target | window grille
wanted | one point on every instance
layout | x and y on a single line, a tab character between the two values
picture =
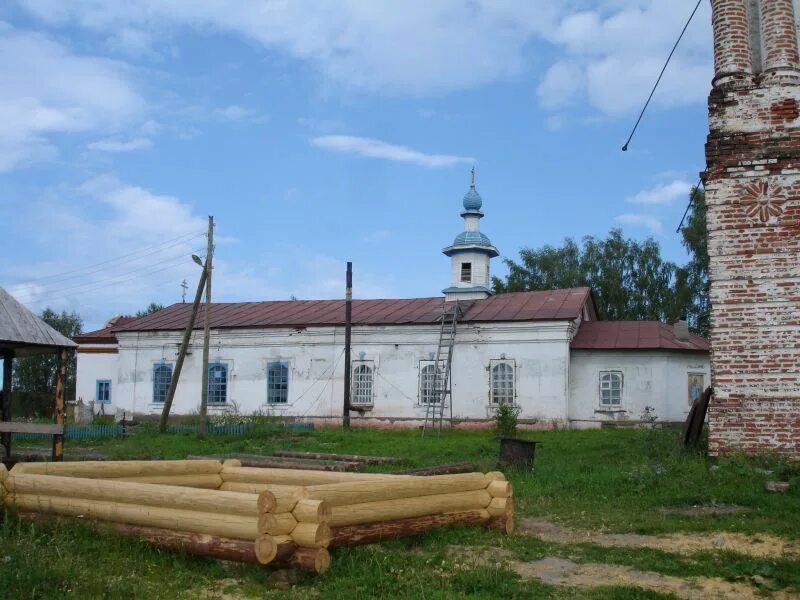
502	383
162	378
362	383
429	391
278	383
610	388
217	384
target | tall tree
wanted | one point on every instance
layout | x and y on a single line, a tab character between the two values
695	240
153	307
629	278
35	376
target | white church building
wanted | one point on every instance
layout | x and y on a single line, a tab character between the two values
544	351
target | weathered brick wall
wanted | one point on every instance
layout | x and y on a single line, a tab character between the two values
753	192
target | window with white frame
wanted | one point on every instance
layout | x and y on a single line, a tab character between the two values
162	378
278	383
217	383
429	383
610	388
362	384
103	391
501	386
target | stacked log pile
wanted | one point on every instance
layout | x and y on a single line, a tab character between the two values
256	515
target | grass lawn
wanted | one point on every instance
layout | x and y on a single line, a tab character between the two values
610	480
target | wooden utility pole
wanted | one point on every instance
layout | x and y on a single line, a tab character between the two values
58	413
5	405
187	336
202	427
348	318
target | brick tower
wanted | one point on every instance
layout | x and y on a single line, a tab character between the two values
752	186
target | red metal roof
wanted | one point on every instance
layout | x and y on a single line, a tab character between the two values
633	335
521	306
104	335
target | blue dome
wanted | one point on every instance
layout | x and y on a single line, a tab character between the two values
472	200
472	237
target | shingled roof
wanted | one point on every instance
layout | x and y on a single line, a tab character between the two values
633	335
548	305
25	333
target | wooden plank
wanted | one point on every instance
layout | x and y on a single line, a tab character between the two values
369	460
58	409
44	428
276	462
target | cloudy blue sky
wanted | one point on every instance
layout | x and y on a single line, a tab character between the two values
323	131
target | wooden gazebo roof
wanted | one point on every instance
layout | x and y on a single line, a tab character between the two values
24	333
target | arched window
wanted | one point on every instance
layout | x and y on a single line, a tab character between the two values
610	388
361	387
278	383
429	384
162	378
502	383
217	383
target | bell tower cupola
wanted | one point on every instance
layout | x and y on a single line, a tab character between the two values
470	253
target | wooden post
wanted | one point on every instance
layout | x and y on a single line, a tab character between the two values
58	413
187	335
348	318
202	427
5	405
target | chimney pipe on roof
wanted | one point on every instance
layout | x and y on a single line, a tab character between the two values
681	329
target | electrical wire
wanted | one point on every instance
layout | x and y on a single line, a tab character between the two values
183	239
658	81
137	273
689	206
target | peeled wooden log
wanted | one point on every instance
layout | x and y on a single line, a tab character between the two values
357	492
208	481
311	535
504	523
192	543
500	489
3	473
452	469
212	523
353	535
499	507
368	460
286	496
230	462
406	508
312	511
144	494
276	523
122	468
495	476
294	477
266	549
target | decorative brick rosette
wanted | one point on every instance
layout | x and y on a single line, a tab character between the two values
762	202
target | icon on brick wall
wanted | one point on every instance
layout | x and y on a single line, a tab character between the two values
758	202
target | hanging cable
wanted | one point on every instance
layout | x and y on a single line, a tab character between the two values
691	202
658	81
183	239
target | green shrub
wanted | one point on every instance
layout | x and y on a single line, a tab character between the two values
505	420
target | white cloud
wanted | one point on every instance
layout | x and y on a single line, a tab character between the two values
46	90
378	235
664	194
417	47
234	113
643	221
118	145
371	148
611	56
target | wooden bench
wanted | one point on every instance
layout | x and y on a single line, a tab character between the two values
9	427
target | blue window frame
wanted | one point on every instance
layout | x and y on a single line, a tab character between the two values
217	383
278	383
162	378
103	391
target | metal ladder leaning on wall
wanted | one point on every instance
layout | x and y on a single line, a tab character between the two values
442	396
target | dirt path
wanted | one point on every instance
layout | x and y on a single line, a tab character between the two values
562	572
762	546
